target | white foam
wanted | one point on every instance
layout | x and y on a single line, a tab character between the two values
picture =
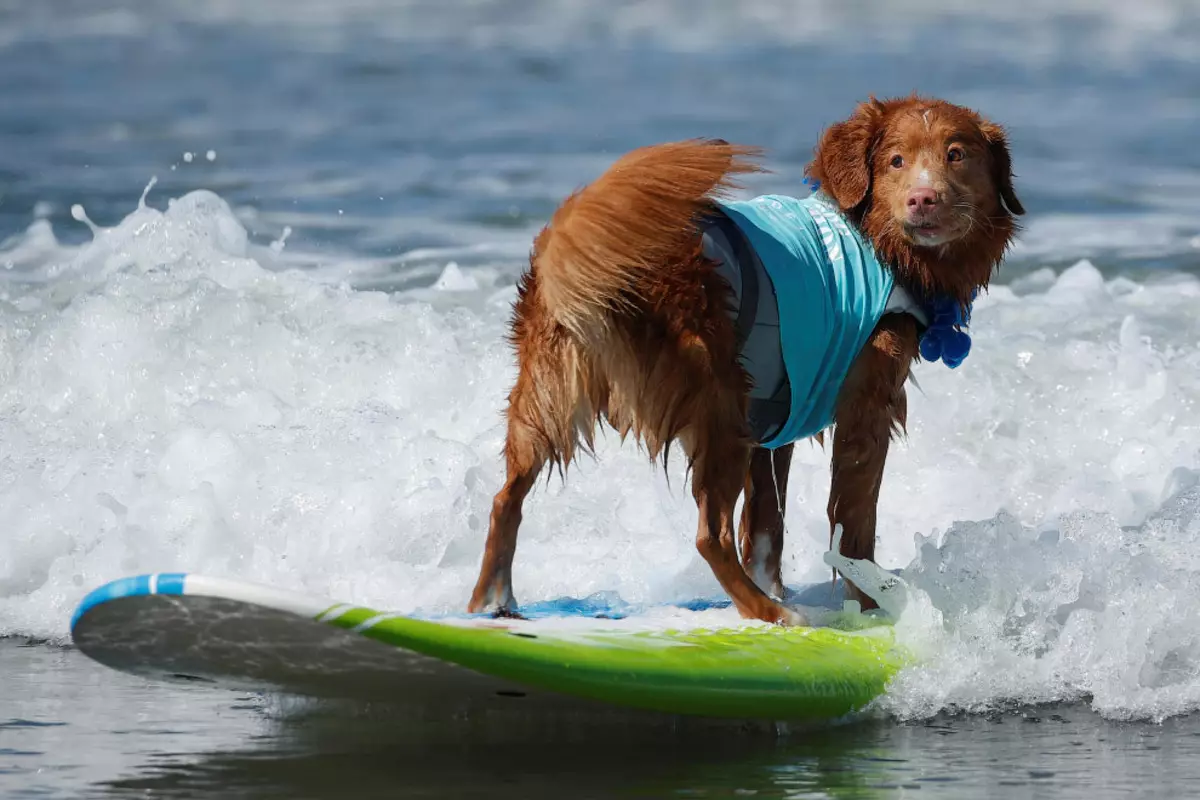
168	402
1082	610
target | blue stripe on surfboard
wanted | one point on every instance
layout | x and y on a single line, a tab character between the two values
601	605
135	586
609	605
170	583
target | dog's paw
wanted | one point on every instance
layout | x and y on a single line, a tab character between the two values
508	613
790	618
494	598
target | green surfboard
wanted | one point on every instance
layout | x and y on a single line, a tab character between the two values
243	636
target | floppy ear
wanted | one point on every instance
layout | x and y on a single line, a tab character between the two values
842	161
997	142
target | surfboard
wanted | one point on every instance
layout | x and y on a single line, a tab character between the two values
246	637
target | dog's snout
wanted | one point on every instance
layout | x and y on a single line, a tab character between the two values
922	199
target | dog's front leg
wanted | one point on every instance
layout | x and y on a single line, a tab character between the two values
871	407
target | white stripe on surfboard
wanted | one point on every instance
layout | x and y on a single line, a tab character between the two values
279	599
335	612
371	622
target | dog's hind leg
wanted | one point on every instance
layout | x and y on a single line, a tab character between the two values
547	408
716	484
525	453
760	532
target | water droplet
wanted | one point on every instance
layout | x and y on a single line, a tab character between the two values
146	191
79	215
277	245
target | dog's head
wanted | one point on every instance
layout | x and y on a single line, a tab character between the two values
929	183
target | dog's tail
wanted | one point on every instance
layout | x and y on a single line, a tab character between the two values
639	216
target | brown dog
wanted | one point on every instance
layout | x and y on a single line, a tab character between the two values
630	312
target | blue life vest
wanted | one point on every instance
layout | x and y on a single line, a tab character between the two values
829	292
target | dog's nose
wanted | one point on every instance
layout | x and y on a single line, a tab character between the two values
922	199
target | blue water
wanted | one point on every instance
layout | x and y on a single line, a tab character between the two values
372	135
317	407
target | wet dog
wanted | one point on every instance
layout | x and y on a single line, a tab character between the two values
735	328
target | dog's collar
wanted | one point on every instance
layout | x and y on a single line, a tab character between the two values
943	318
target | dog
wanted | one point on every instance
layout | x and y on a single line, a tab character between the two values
735	328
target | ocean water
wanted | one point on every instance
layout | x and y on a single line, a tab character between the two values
256	264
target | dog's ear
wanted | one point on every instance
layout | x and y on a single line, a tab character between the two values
997	143
842	160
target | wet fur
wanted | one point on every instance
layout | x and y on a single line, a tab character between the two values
621	319
630	313
846	161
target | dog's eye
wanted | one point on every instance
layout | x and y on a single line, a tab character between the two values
897	162
955	154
